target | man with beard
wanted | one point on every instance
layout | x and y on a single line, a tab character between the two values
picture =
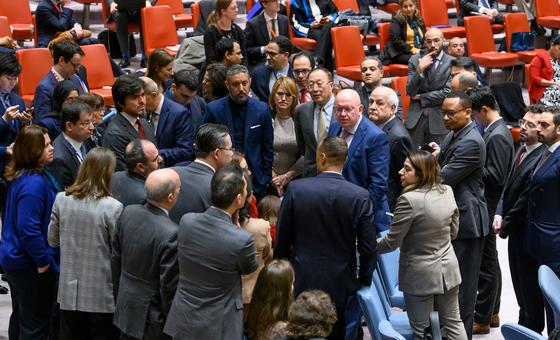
250	125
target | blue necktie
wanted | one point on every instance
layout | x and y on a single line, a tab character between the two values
485	3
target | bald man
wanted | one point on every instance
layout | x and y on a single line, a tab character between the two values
144	261
172	123
464	81
456	47
428	84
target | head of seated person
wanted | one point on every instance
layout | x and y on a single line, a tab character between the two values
312	315
67	58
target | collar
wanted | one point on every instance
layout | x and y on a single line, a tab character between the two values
456	133
355	127
532	147
328	105
164	210
57	75
283	71
439	56
489	125
131	119
160	105
204	163
332	172
75	144
554	146
267	18
382	125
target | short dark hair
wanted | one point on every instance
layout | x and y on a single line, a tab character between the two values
237	69
335	148
465	63
536	108
71	112
9	65
217	77
555	111
482	96
226	184
303	54
66	49
222	46
283	43
209	137
125	86
93	99
324	70
188	78
464	98
379	63
134	154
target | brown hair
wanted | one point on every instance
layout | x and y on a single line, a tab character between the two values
93	100
268	208
272	297
94	176
217	13
286	84
427	170
158	60
311	315
28	149
415	15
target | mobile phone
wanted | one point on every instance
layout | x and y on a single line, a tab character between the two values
427	147
29	110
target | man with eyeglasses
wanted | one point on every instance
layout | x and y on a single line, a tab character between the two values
302	64
67	57
278	65
428	84
462	158
371	70
509	221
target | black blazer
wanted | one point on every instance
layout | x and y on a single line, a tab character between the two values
260	79
65	164
50	21
397	39
256	35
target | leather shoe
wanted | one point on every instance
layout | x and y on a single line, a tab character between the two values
125	62
479	328
495	321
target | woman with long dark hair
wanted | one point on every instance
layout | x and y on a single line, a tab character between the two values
220	24
63	91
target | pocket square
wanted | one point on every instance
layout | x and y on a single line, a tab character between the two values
255	126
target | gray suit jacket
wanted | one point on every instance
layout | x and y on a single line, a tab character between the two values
213	254
432	93
145	270
462	159
425	222
195	196
128	187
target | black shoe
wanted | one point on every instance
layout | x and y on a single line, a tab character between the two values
535	28
143	63
3	290
125	62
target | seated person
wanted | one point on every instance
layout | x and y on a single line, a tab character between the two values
474	7
407	34
62	92
228	52
7	45
220	25
13	115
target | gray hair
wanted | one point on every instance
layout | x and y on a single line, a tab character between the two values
235	69
392	98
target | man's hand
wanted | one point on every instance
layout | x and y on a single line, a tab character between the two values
436	148
11	113
79	31
497	224
316	24
113	7
26	116
41	270
425	62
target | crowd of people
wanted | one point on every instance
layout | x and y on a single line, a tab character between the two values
250	198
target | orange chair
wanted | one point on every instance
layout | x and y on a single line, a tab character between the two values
399	85
112	25
547	13
481	46
301	43
527	75
434	13
35	64
249	5
394	69
517	22
99	73
496	28
195	10
389	8
159	29
5	28
515	132
371	39
182	19
18	13
348	51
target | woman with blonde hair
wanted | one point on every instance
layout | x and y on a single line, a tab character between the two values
82	223
406	34
220	25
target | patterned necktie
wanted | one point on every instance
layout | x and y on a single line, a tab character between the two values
303	96
345	135
321	126
140	128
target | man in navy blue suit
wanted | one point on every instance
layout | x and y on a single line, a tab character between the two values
172	124
183	91
278	57
323	220
12	107
249	123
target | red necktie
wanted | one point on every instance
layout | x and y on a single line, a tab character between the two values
520	154
303	98
57	7
140	128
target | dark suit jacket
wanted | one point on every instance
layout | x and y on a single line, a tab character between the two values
432	93
260	78
196	109
145	270
174	134
397	39
542	236
195	195
120	132
319	221
9	131
258	140
499	160
256	35
128	187
469	6
399	146
50	21
42	100
462	160
65	164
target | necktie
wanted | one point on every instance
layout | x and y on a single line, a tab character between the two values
543	159
303	96
273	28
321	126
140	128
520	154
5	99
432	70
345	135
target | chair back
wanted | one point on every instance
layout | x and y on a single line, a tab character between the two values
372	307
158	28
347	45
515	22
5	28
550	286
384	32
512	331
545	8
479	35
388	332
175	5
388	264
434	12
399	84
35	64
195	9
96	61
17	11
347	4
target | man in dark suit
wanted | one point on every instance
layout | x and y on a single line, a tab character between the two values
214	150
478	7
141	158
462	158
12	107
278	57
213	254
371	70
509	221
172	125
183	91
499	159
301	64
382	111
428	84
67	57
320	220
129	123
69	147
250	125
144	260
315	120
262	28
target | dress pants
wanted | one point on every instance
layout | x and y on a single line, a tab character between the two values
87	326
323	50
469	255
123	19
420	134
33	302
489	282
419	307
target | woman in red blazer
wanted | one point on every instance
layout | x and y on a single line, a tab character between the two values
545	75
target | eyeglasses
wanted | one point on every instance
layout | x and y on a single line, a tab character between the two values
522	122
302	72
226	149
75	65
282	94
320	85
271	54
451	113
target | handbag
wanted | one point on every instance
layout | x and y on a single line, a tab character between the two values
522	41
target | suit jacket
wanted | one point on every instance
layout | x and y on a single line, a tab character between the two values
462	161
319	221
195	109
128	187
120	132
541	68
367	166
256	35
65	164
260	80
258	139
42	100
400	145
145	269
469	6
432	93
213	254
195	195
9	131
397	41
542	236
174	134
499	160
425	223
364	99
50	21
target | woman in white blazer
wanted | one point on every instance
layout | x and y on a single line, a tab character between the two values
426	220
